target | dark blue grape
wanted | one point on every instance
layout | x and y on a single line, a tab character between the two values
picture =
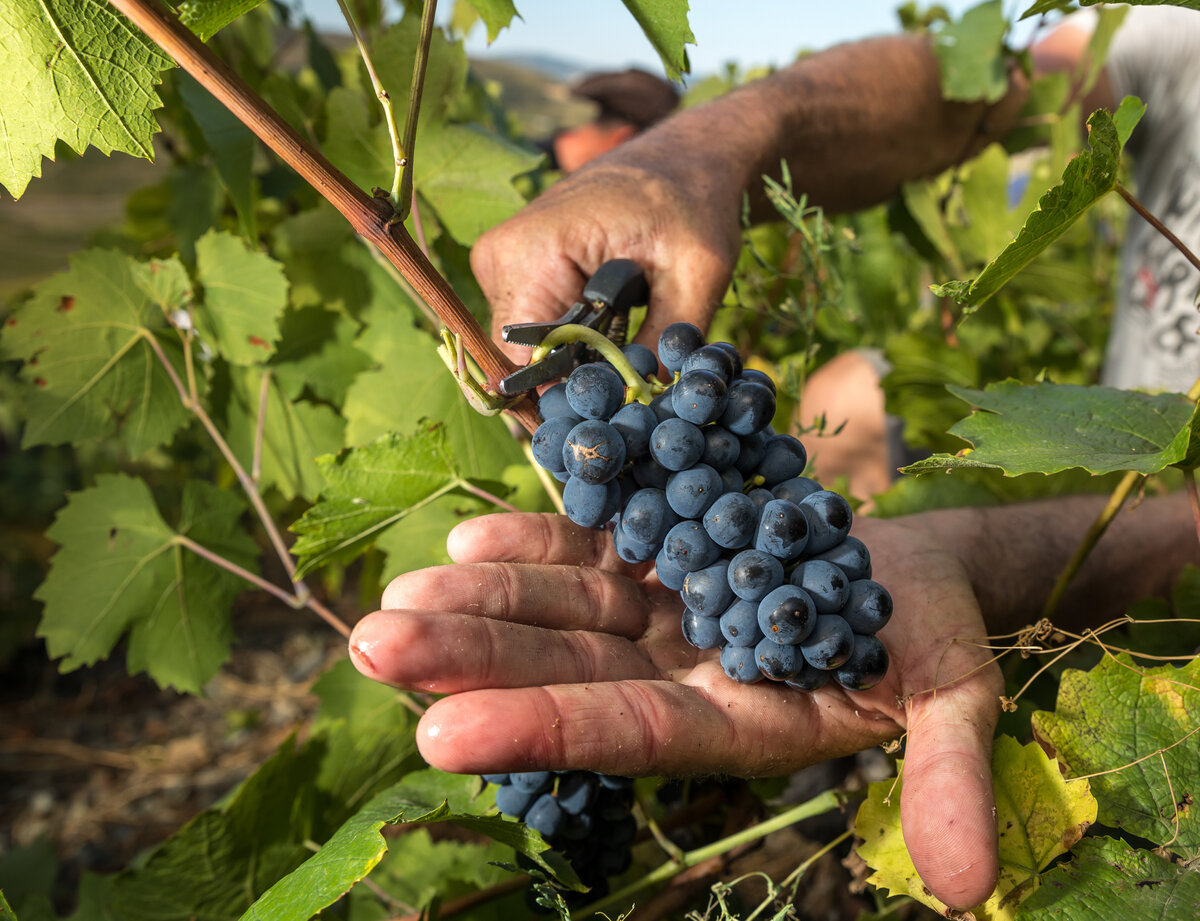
787	615
550	439
760	498
643	360
702	632
690	492
739	664
512	801
595	390
732	481
531	781
867	665
594	451
647	517
635	422
554	403
754	573
734	356
676	444
710	358
616	782
748	408
783	458
579	827
776	661
829	519
721	448
732	520
759	377
575	791
546	816
676	343
591	504
650	473
669	574
689	547
809	678
699	396
796	489
830	643
751	451
632	550
706	591
739	624
851	557
782	529
869	607
661	405
825	583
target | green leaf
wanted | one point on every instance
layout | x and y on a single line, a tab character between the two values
1108	878
316	351
1050	6
232	146
356	848
86	339
1039	815
208	17
971	54
1087	178
120	568
665	24
369	490
1046	428
1112	721
76	71
496	15
244	294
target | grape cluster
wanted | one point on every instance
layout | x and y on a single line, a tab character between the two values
698	481
583	815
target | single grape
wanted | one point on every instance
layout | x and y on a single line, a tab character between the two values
554	403
732	481
706	591
546	816
591	504
702	632
759	377
787	615
782	529
647	517
776	661
829	519
830	643
661	405
751	452
668	573
825	583
721	448
709	358
760	498
595	390
531	781
699	396
549	441
650	473
732	520
869	607
594	451
749	406
754	573
740	665
850	556
676	444
676	343
617	782
734	356
783	458
643	360
632	550
690	492
635	422
689	547
739	624
809	678
512	801
796	489
576	789
867	665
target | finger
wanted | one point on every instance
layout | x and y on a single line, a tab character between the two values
534	538
446	653
557	597
687	285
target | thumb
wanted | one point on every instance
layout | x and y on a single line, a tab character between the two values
947	809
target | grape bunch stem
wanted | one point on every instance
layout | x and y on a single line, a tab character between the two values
639	388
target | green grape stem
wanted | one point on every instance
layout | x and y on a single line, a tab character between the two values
639	388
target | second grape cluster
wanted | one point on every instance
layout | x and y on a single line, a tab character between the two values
699	481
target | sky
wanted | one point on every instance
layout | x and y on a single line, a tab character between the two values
601	33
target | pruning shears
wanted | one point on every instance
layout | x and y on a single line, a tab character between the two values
616	287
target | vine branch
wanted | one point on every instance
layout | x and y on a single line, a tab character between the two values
403	193
1157	225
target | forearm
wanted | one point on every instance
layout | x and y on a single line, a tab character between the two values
1013	554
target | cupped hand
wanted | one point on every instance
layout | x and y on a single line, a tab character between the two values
680	225
555	654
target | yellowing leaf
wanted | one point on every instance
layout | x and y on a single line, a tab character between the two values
1039	816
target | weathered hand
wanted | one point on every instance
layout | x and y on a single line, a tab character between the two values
555	654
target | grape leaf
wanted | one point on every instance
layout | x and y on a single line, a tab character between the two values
316	351
208	17
232	146
1050	6
86	339
371	488
1046	428
1038	816
970	52
76	71
120	568
244	294
1087	178
356	847
1116	714
1106	878
496	15
665	24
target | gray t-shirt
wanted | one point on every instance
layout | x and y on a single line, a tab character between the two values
1155	339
